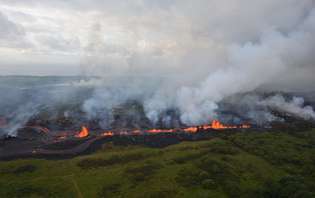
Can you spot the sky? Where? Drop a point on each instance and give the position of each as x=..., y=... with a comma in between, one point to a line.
x=110, y=37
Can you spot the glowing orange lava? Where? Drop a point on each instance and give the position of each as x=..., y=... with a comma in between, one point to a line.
x=215, y=124
x=108, y=134
x=83, y=133
x=218, y=125
x=191, y=130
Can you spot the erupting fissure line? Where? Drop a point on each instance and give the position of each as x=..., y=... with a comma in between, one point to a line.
x=217, y=125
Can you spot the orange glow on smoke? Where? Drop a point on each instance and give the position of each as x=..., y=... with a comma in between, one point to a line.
x=83, y=133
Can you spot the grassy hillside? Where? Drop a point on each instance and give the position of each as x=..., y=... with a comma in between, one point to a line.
x=257, y=164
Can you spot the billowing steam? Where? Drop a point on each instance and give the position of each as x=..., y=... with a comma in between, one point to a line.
x=295, y=106
x=189, y=60
x=194, y=81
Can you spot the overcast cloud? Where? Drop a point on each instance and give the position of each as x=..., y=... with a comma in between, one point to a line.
x=169, y=33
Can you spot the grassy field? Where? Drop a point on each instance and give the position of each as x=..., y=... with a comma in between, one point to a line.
x=257, y=164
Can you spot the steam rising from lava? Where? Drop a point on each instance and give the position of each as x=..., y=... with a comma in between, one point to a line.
x=295, y=106
x=226, y=68
x=183, y=73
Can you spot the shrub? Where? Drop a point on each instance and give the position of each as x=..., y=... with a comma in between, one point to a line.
x=141, y=173
x=24, y=169
x=115, y=159
x=223, y=174
x=17, y=190
x=112, y=190
x=163, y=192
x=208, y=184
x=288, y=186
x=188, y=157
x=190, y=177
x=224, y=149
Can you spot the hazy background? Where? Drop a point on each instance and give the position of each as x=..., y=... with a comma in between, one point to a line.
x=167, y=54
x=166, y=36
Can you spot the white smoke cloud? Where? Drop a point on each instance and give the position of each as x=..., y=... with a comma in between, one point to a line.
x=20, y=117
x=249, y=66
x=295, y=106
x=215, y=68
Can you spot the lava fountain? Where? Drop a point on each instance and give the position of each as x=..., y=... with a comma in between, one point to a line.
x=83, y=133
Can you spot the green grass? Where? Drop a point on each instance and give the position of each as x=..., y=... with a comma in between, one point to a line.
x=263, y=164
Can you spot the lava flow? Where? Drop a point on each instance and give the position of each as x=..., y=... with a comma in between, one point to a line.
x=217, y=125
x=83, y=133
x=108, y=134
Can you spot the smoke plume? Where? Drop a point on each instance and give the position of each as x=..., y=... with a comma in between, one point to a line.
x=221, y=63
x=295, y=106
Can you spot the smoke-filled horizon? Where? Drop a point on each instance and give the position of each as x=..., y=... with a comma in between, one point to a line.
x=167, y=54
x=67, y=103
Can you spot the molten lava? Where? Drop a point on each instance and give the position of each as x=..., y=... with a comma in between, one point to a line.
x=191, y=130
x=215, y=124
x=83, y=133
x=108, y=134
x=218, y=125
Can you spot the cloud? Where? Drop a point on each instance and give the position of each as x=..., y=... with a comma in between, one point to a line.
x=11, y=34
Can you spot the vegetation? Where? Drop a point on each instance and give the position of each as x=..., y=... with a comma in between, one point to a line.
x=112, y=160
x=244, y=164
